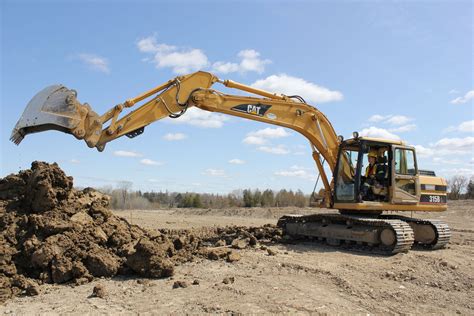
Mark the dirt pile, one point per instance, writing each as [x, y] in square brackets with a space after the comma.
[52, 233]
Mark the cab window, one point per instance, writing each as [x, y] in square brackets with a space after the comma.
[345, 182]
[405, 162]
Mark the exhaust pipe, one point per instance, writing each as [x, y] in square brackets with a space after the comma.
[56, 108]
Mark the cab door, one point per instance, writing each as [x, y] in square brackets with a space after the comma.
[405, 188]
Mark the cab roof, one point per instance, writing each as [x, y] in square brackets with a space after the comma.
[378, 140]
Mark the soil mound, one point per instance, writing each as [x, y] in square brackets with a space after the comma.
[52, 233]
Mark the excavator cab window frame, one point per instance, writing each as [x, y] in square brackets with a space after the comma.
[363, 148]
[344, 146]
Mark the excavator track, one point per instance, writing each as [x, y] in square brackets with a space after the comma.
[382, 236]
[429, 234]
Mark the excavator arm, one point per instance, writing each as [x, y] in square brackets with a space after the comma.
[57, 108]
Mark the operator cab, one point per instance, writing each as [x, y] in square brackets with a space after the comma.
[392, 177]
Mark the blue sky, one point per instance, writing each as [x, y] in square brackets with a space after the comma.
[399, 69]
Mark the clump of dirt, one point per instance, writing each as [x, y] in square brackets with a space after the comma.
[53, 233]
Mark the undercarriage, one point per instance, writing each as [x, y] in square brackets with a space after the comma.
[383, 234]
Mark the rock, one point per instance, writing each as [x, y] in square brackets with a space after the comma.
[233, 256]
[179, 243]
[32, 290]
[61, 270]
[271, 252]
[228, 280]
[239, 244]
[220, 243]
[101, 262]
[82, 218]
[180, 284]
[444, 263]
[46, 187]
[150, 259]
[100, 235]
[263, 247]
[143, 281]
[217, 253]
[252, 241]
[389, 274]
[99, 291]
[196, 282]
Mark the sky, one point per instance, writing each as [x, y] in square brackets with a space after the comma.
[396, 69]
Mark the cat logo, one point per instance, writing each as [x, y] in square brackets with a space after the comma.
[254, 109]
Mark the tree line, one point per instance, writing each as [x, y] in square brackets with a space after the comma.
[124, 198]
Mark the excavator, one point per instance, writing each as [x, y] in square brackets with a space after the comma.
[371, 222]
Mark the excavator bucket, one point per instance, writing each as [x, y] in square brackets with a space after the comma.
[56, 108]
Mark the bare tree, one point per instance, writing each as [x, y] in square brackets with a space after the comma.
[456, 185]
[124, 187]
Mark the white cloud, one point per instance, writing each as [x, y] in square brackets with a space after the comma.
[404, 128]
[254, 140]
[466, 98]
[453, 91]
[225, 67]
[443, 161]
[292, 85]
[150, 162]
[95, 62]
[465, 127]
[249, 61]
[269, 132]
[449, 172]
[214, 172]
[378, 118]
[390, 119]
[174, 137]
[236, 161]
[276, 150]
[197, 117]
[182, 60]
[423, 151]
[261, 136]
[124, 153]
[398, 120]
[297, 172]
[378, 133]
[450, 146]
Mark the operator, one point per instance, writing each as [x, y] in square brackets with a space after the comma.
[368, 180]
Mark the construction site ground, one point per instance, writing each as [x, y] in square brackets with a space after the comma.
[280, 278]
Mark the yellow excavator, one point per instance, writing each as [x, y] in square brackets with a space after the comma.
[363, 200]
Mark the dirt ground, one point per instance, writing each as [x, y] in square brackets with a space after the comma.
[290, 278]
